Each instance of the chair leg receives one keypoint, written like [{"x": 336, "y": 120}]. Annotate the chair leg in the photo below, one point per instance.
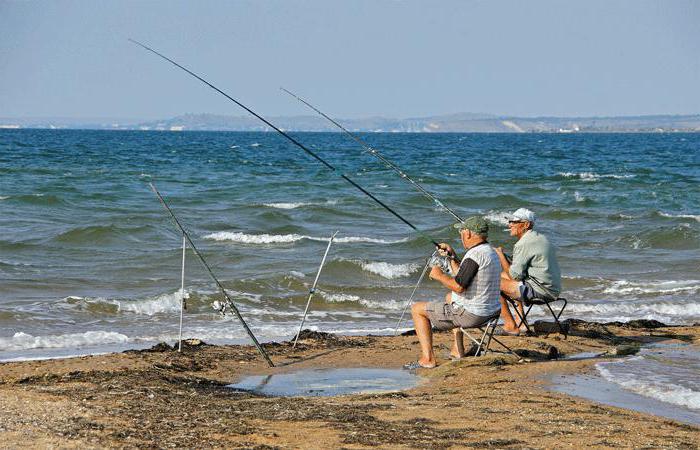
[
  {"x": 522, "y": 318},
  {"x": 557, "y": 316}
]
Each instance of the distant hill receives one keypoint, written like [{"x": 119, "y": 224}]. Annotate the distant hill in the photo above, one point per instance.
[{"x": 461, "y": 123}]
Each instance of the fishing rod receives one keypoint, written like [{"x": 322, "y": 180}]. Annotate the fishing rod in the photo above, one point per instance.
[
  {"x": 374, "y": 152},
  {"x": 229, "y": 302},
  {"x": 415, "y": 288},
  {"x": 313, "y": 289},
  {"x": 292, "y": 140}
]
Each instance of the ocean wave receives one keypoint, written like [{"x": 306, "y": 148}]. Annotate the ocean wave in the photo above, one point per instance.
[
  {"x": 294, "y": 205},
  {"x": 392, "y": 305},
  {"x": 96, "y": 233},
  {"x": 4, "y": 197},
  {"x": 680, "y": 216},
  {"x": 664, "y": 391},
  {"x": 389, "y": 270},
  {"x": 683, "y": 236},
  {"x": 592, "y": 176},
  {"x": 244, "y": 238},
  {"x": 24, "y": 341},
  {"x": 161, "y": 304},
  {"x": 634, "y": 310},
  {"x": 150, "y": 306},
  {"x": 254, "y": 238},
  {"x": 499, "y": 217},
  {"x": 39, "y": 199},
  {"x": 625, "y": 287}
]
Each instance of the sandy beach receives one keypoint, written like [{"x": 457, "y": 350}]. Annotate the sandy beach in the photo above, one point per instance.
[{"x": 161, "y": 398}]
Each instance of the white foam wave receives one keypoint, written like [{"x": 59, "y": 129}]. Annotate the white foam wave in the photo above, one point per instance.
[
  {"x": 255, "y": 144},
  {"x": 591, "y": 176},
  {"x": 634, "y": 310},
  {"x": 498, "y": 217},
  {"x": 4, "y": 197},
  {"x": 285, "y": 205},
  {"x": 294, "y": 205},
  {"x": 388, "y": 304},
  {"x": 625, "y": 287},
  {"x": 235, "y": 146},
  {"x": 254, "y": 238},
  {"x": 388, "y": 270},
  {"x": 160, "y": 304},
  {"x": 665, "y": 392},
  {"x": 680, "y": 216},
  {"x": 579, "y": 197},
  {"x": 288, "y": 238},
  {"x": 24, "y": 341}
]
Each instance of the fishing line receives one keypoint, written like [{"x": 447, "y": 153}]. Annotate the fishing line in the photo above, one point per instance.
[
  {"x": 374, "y": 152},
  {"x": 229, "y": 302},
  {"x": 292, "y": 140}
]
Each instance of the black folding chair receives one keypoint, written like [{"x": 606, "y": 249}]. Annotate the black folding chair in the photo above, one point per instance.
[
  {"x": 540, "y": 302},
  {"x": 487, "y": 329}
]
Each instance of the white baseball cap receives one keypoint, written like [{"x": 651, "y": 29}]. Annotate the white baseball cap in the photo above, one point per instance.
[{"x": 523, "y": 214}]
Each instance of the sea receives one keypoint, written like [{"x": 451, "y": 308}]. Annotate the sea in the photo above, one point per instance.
[{"x": 90, "y": 261}]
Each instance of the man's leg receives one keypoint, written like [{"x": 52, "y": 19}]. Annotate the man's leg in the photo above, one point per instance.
[
  {"x": 421, "y": 323},
  {"x": 458, "y": 344},
  {"x": 512, "y": 290}
]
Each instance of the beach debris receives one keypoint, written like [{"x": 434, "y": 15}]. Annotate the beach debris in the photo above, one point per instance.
[
  {"x": 624, "y": 350},
  {"x": 644, "y": 323},
  {"x": 165, "y": 347},
  {"x": 544, "y": 327}
]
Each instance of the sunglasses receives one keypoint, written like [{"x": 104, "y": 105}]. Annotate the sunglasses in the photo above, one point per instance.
[{"x": 511, "y": 222}]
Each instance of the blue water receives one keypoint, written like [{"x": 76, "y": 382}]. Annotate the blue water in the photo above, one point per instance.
[
  {"x": 88, "y": 257},
  {"x": 328, "y": 382},
  {"x": 662, "y": 379}
]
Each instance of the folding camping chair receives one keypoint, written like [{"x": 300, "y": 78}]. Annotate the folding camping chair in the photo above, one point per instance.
[
  {"x": 487, "y": 329},
  {"x": 540, "y": 302}
]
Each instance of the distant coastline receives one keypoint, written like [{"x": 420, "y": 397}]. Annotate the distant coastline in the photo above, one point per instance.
[{"x": 453, "y": 123}]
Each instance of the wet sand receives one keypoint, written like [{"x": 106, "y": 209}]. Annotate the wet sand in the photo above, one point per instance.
[{"x": 161, "y": 398}]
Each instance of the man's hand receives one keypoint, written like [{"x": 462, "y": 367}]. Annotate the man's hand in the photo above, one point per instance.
[
  {"x": 435, "y": 272},
  {"x": 498, "y": 250},
  {"x": 445, "y": 250}
]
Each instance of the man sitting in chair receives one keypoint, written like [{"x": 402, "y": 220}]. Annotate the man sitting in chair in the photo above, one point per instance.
[
  {"x": 473, "y": 297},
  {"x": 534, "y": 272}
]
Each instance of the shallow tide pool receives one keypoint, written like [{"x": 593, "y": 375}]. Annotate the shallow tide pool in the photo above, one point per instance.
[{"x": 328, "y": 382}]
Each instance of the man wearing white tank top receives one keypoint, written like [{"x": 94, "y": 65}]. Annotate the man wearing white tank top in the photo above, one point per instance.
[{"x": 473, "y": 296}]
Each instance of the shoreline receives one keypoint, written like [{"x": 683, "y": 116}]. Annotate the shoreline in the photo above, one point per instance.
[{"x": 158, "y": 397}]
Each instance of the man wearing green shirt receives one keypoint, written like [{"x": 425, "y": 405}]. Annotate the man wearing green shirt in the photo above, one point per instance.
[{"x": 534, "y": 271}]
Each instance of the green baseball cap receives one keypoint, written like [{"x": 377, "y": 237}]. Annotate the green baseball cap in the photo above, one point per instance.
[{"x": 475, "y": 224}]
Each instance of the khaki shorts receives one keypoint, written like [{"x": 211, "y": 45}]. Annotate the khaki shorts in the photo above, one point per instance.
[{"x": 444, "y": 316}]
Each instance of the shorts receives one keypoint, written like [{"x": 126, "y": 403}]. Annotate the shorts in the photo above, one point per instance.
[
  {"x": 527, "y": 292},
  {"x": 444, "y": 316}
]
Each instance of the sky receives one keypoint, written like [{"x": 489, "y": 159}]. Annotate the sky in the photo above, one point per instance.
[{"x": 352, "y": 58}]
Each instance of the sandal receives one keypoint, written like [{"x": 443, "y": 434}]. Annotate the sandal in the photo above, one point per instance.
[
  {"x": 504, "y": 332},
  {"x": 416, "y": 365}
]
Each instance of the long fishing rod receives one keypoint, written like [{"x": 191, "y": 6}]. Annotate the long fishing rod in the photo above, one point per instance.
[
  {"x": 374, "y": 152},
  {"x": 292, "y": 140},
  {"x": 229, "y": 302}
]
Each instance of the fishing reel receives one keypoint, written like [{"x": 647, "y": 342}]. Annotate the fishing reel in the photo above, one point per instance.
[
  {"x": 443, "y": 262},
  {"x": 220, "y": 307}
]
